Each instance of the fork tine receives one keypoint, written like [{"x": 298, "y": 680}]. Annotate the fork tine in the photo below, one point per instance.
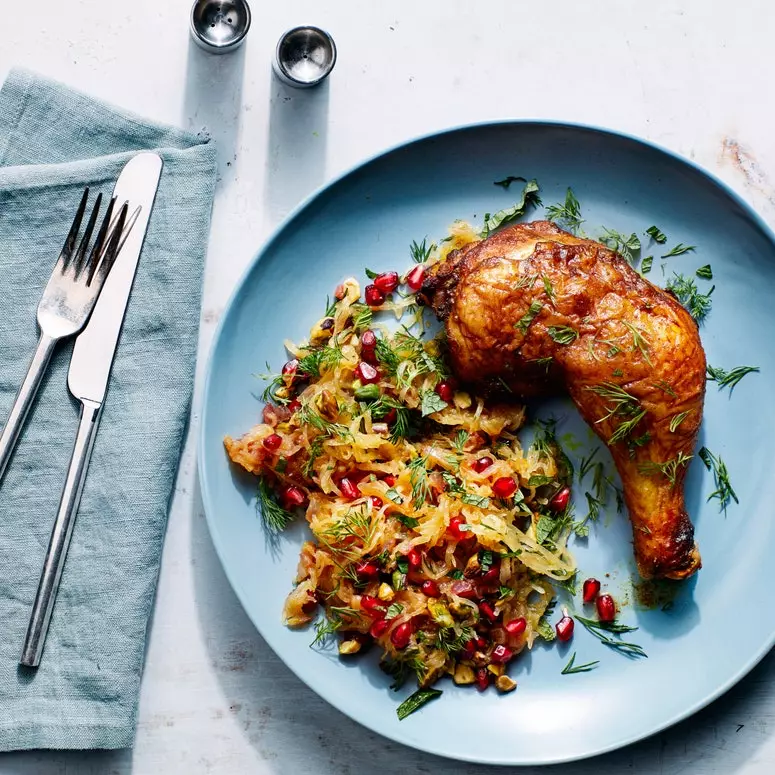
[
  {"x": 111, "y": 252},
  {"x": 130, "y": 222},
  {"x": 67, "y": 248},
  {"x": 80, "y": 255},
  {"x": 102, "y": 238}
]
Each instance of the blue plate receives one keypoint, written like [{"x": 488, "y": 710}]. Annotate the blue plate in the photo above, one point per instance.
[{"x": 718, "y": 627}]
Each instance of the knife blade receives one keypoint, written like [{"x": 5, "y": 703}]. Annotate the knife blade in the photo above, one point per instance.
[
  {"x": 96, "y": 344},
  {"x": 87, "y": 379}
]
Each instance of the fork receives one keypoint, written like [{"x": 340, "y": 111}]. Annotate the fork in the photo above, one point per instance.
[{"x": 67, "y": 302}]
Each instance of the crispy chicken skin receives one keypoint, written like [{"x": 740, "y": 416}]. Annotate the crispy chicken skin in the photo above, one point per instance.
[{"x": 623, "y": 334}]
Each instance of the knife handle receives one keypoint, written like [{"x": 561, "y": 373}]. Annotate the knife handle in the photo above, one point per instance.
[
  {"x": 60, "y": 535},
  {"x": 24, "y": 398}
]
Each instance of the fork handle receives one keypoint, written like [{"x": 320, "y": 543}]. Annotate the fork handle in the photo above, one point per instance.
[
  {"x": 60, "y": 535},
  {"x": 24, "y": 398}
]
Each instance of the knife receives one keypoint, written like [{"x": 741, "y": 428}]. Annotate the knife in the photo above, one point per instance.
[{"x": 88, "y": 381}]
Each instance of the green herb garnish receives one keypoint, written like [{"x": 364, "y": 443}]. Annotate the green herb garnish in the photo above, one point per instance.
[
  {"x": 431, "y": 402},
  {"x": 568, "y": 214},
  {"x": 603, "y": 630},
  {"x": 705, "y": 272},
  {"x": 524, "y": 322},
  {"x": 563, "y": 334},
  {"x": 685, "y": 290},
  {"x": 572, "y": 668},
  {"x": 529, "y": 197},
  {"x": 668, "y": 469},
  {"x": 507, "y": 181},
  {"x": 679, "y": 250},
  {"x": 274, "y": 516},
  {"x": 729, "y": 378},
  {"x": 621, "y": 404},
  {"x": 723, "y": 492},
  {"x": 657, "y": 235},
  {"x": 646, "y": 264},
  {"x": 416, "y": 701},
  {"x": 626, "y": 247},
  {"x": 421, "y": 252},
  {"x": 677, "y": 420}
]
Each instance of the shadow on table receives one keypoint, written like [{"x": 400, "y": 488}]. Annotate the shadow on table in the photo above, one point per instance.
[
  {"x": 296, "y": 156},
  {"x": 290, "y": 725}
]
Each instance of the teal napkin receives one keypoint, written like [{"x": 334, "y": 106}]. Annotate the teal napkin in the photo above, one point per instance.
[{"x": 53, "y": 142}]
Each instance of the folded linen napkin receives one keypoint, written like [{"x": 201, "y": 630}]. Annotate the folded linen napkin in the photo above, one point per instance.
[{"x": 53, "y": 142}]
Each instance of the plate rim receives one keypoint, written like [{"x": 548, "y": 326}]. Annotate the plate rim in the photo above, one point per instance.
[{"x": 263, "y": 248}]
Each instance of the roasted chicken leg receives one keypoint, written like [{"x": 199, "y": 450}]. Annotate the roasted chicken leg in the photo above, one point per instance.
[{"x": 540, "y": 311}]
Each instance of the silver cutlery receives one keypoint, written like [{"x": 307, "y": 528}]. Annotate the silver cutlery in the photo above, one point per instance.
[
  {"x": 87, "y": 380},
  {"x": 67, "y": 302}
]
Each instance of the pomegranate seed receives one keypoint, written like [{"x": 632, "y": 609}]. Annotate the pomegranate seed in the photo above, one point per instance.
[
  {"x": 367, "y": 569},
  {"x": 368, "y": 340},
  {"x": 415, "y": 277},
  {"x": 293, "y": 497},
  {"x": 272, "y": 442},
  {"x": 501, "y": 654},
  {"x": 290, "y": 368},
  {"x": 463, "y": 588},
  {"x": 455, "y": 528},
  {"x": 294, "y": 406},
  {"x": 387, "y": 282},
  {"x": 606, "y": 608},
  {"x": 379, "y": 628},
  {"x": 504, "y": 487},
  {"x": 376, "y": 503},
  {"x": 482, "y": 678},
  {"x": 487, "y": 610},
  {"x": 372, "y": 605},
  {"x": 391, "y": 417},
  {"x": 482, "y": 464},
  {"x": 445, "y": 391},
  {"x": 590, "y": 590},
  {"x": 468, "y": 650},
  {"x": 389, "y": 480},
  {"x": 366, "y": 373},
  {"x": 560, "y": 501},
  {"x": 516, "y": 626},
  {"x": 492, "y": 573},
  {"x": 401, "y": 635},
  {"x": 374, "y": 296},
  {"x": 415, "y": 558},
  {"x": 481, "y": 643},
  {"x": 349, "y": 490},
  {"x": 564, "y": 628},
  {"x": 430, "y": 588}
]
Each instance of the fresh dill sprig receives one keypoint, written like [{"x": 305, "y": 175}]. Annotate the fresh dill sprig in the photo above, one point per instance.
[
  {"x": 658, "y": 236},
  {"x": 362, "y": 316},
  {"x": 730, "y": 378},
  {"x": 563, "y": 334},
  {"x": 528, "y": 197},
  {"x": 307, "y": 415},
  {"x": 603, "y": 631},
  {"x": 572, "y": 668},
  {"x": 523, "y": 324},
  {"x": 679, "y": 250},
  {"x": 620, "y": 404},
  {"x": 421, "y": 252},
  {"x": 275, "y": 517},
  {"x": 676, "y": 420},
  {"x": 452, "y": 640},
  {"x": 668, "y": 469},
  {"x": 418, "y": 478},
  {"x": 314, "y": 452},
  {"x": 319, "y": 358},
  {"x": 567, "y": 214},
  {"x": 705, "y": 272},
  {"x": 666, "y": 387},
  {"x": 639, "y": 341},
  {"x": 460, "y": 440},
  {"x": 626, "y": 247},
  {"x": 685, "y": 290},
  {"x": 723, "y": 492}
]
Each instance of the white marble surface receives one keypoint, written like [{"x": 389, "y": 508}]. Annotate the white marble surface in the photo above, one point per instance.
[{"x": 689, "y": 74}]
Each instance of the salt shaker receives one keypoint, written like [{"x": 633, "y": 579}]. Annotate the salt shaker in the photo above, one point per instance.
[{"x": 304, "y": 57}]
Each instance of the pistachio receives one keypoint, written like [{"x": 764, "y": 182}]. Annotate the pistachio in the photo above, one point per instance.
[
  {"x": 505, "y": 684},
  {"x": 385, "y": 592},
  {"x": 461, "y": 399},
  {"x": 440, "y": 613},
  {"x": 463, "y": 675},
  {"x": 349, "y": 647}
]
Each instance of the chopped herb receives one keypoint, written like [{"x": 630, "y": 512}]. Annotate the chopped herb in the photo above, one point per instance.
[
  {"x": 480, "y": 501},
  {"x": 617, "y": 373},
  {"x": 626, "y": 247},
  {"x": 402, "y": 564},
  {"x": 416, "y": 701},
  {"x": 431, "y": 402},
  {"x": 646, "y": 264},
  {"x": 705, "y": 272},
  {"x": 723, "y": 492},
  {"x": 546, "y": 361},
  {"x": 621, "y": 405},
  {"x": 274, "y": 516},
  {"x": 572, "y": 668},
  {"x": 563, "y": 334},
  {"x": 657, "y": 235},
  {"x": 544, "y": 528},
  {"x": 548, "y": 289},
  {"x": 456, "y": 574},
  {"x": 529, "y": 197},
  {"x": 282, "y": 464},
  {"x": 601, "y": 631},
  {"x": 409, "y": 522},
  {"x": 460, "y": 440},
  {"x": 422, "y": 252},
  {"x": 394, "y": 495},
  {"x": 370, "y": 274},
  {"x": 568, "y": 214},
  {"x": 538, "y": 480},
  {"x": 393, "y": 611},
  {"x": 507, "y": 181},
  {"x": 685, "y": 290},
  {"x": 668, "y": 469},
  {"x": 679, "y": 250},
  {"x": 544, "y": 628},
  {"x": 677, "y": 420},
  {"x": 524, "y": 322},
  {"x": 485, "y": 560},
  {"x": 504, "y": 592},
  {"x": 729, "y": 378}
]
